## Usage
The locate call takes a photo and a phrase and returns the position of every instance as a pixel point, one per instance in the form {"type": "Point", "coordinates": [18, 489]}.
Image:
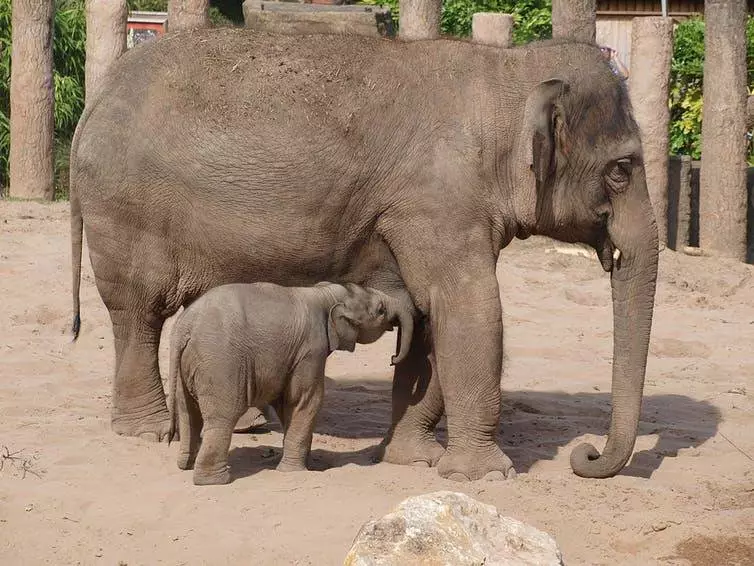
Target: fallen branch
{"type": "Point", "coordinates": [17, 462]}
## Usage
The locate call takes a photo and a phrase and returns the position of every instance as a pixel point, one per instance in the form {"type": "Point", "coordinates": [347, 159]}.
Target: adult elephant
{"type": "Point", "coordinates": [223, 155]}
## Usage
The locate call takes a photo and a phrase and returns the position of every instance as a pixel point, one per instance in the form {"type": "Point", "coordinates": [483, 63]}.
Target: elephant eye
{"type": "Point", "coordinates": [380, 309]}
{"type": "Point", "coordinates": [618, 174]}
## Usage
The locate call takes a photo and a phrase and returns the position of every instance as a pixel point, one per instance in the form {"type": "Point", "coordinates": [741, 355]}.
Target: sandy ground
{"type": "Point", "coordinates": [75, 493]}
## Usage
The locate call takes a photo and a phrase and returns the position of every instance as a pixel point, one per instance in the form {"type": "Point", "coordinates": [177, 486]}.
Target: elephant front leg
{"type": "Point", "coordinates": [466, 319]}
{"type": "Point", "coordinates": [302, 403]}
{"type": "Point", "coordinates": [417, 407]}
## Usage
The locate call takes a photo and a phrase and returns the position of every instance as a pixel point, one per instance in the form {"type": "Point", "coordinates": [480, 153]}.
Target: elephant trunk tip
{"type": "Point", "coordinates": [405, 334]}
{"type": "Point", "coordinates": [587, 462]}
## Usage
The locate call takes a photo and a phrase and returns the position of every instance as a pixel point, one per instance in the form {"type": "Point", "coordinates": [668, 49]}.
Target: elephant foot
{"type": "Point", "coordinates": [186, 461]}
{"type": "Point", "coordinates": [291, 467]}
{"type": "Point", "coordinates": [475, 463]}
{"type": "Point", "coordinates": [153, 427]}
{"type": "Point", "coordinates": [423, 451]}
{"type": "Point", "coordinates": [212, 477]}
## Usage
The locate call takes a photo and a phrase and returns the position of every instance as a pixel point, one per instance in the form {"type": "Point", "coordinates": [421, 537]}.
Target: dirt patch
{"type": "Point", "coordinates": [715, 551]}
{"type": "Point", "coordinates": [88, 496]}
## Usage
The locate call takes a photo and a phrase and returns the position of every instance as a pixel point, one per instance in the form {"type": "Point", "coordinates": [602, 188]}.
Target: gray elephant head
{"type": "Point", "coordinates": [363, 315]}
{"type": "Point", "coordinates": [581, 172]}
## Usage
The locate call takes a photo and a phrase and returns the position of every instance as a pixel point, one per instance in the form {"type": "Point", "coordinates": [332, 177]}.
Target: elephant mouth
{"type": "Point", "coordinates": [608, 254]}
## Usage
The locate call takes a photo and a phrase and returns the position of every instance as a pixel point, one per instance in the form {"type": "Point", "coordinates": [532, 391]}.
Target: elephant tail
{"type": "Point", "coordinates": [77, 235]}
{"type": "Point", "coordinates": [77, 221]}
{"type": "Point", "coordinates": [178, 344]}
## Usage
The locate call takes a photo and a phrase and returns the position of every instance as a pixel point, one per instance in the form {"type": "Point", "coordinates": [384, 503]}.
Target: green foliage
{"type": "Point", "coordinates": [532, 17]}
{"type": "Point", "coordinates": [686, 82]}
{"type": "Point", "coordinates": [686, 75]}
{"type": "Point", "coordinates": [148, 5]}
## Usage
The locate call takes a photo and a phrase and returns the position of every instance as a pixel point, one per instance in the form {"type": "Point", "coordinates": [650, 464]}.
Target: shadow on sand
{"type": "Point", "coordinates": [535, 426]}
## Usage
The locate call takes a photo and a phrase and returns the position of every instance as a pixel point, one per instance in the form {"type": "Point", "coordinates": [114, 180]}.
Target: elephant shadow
{"type": "Point", "coordinates": [535, 426]}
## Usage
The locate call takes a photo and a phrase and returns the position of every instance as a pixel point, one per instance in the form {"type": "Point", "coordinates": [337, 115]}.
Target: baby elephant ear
{"type": "Point", "coordinates": [341, 329]}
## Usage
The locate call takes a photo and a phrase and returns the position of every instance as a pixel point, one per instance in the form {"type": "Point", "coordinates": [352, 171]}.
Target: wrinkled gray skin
{"type": "Point", "coordinates": [251, 345]}
{"type": "Point", "coordinates": [224, 155]}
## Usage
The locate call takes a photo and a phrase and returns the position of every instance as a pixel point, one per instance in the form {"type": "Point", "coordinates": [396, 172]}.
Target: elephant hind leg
{"type": "Point", "coordinates": [417, 408]}
{"type": "Point", "coordinates": [190, 425]}
{"type": "Point", "coordinates": [139, 407]}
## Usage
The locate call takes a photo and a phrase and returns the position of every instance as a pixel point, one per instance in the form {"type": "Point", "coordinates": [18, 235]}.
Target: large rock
{"type": "Point", "coordinates": [448, 528]}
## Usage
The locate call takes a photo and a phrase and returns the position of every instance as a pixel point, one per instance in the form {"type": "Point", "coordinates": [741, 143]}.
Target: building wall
{"type": "Point", "coordinates": [615, 32]}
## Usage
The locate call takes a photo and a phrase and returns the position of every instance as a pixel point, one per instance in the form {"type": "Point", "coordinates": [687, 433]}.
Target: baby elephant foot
{"type": "Point", "coordinates": [212, 477]}
{"type": "Point", "coordinates": [186, 461]}
{"type": "Point", "coordinates": [475, 463]}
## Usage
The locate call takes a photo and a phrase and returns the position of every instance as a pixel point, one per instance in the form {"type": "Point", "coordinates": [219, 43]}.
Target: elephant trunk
{"type": "Point", "coordinates": [632, 230]}
{"type": "Point", "coordinates": [405, 317]}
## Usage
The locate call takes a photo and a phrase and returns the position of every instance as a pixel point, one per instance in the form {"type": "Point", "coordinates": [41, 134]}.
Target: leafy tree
{"type": "Point", "coordinates": [686, 81]}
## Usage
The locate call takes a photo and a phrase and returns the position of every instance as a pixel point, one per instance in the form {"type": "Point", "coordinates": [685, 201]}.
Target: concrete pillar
{"type": "Point", "coordinates": [419, 19]}
{"type": "Point", "coordinates": [105, 39]}
{"type": "Point", "coordinates": [575, 19]}
{"type": "Point", "coordinates": [722, 190]}
{"type": "Point", "coordinates": [32, 101]}
{"type": "Point", "coordinates": [651, 53]}
{"type": "Point", "coordinates": [492, 28]}
{"type": "Point", "coordinates": [187, 14]}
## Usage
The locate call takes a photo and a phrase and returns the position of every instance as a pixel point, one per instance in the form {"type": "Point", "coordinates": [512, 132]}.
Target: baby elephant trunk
{"type": "Point", "coordinates": [405, 318]}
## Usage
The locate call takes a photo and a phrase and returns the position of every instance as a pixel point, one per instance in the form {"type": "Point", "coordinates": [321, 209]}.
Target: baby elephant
{"type": "Point", "coordinates": [245, 345]}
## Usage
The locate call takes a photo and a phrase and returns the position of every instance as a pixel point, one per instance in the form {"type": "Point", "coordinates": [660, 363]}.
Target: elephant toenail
{"type": "Point", "coordinates": [494, 475]}
{"type": "Point", "coordinates": [458, 476]}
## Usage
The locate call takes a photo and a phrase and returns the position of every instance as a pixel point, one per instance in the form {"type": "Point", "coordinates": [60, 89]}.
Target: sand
{"type": "Point", "coordinates": [75, 493]}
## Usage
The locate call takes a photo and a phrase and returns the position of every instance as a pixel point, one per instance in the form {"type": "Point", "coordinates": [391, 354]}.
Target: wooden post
{"type": "Point", "coordinates": [492, 28]}
{"type": "Point", "coordinates": [187, 14]}
{"type": "Point", "coordinates": [574, 19]}
{"type": "Point", "coordinates": [419, 19]}
{"type": "Point", "coordinates": [649, 82]}
{"type": "Point", "coordinates": [722, 183]}
{"type": "Point", "coordinates": [106, 24]}
{"type": "Point", "coordinates": [32, 120]}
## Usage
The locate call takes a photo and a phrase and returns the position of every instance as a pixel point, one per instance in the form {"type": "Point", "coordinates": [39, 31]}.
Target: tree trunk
{"type": "Point", "coordinates": [651, 52]}
{"type": "Point", "coordinates": [722, 182]}
{"type": "Point", "coordinates": [490, 28]}
{"type": "Point", "coordinates": [105, 39]}
{"type": "Point", "coordinates": [574, 19]}
{"type": "Point", "coordinates": [187, 14]}
{"type": "Point", "coordinates": [32, 120]}
{"type": "Point", "coordinates": [419, 19]}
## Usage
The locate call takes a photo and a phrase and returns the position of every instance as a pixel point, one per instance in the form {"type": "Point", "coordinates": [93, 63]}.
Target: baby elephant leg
{"type": "Point", "coordinates": [211, 466]}
{"type": "Point", "coordinates": [189, 427]}
{"type": "Point", "coordinates": [302, 403]}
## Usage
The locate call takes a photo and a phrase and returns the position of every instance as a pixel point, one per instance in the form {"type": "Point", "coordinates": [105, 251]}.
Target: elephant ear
{"type": "Point", "coordinates": [542, 124]}
{"type": "Point", "coordinates": [342, 330]}
{"type": "Point", "coordinates": [545, 112]}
